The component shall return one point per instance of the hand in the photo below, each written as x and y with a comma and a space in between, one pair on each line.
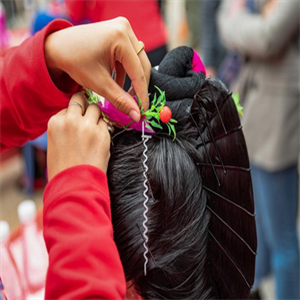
77, 136
90, 53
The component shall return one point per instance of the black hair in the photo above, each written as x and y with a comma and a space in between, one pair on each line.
180, 177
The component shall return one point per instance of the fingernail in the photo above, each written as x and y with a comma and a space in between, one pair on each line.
135, 116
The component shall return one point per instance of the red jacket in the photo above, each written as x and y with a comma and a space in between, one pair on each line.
83, 259
143, 15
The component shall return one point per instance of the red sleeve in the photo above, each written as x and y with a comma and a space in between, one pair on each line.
77, 10
84, 262
28, 95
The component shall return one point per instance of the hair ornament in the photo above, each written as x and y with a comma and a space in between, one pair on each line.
145, 139
159, 112
152, 118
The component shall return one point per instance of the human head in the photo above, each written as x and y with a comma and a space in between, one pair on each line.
186, 181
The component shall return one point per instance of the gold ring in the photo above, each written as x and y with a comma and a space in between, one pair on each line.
78, 104
141, 49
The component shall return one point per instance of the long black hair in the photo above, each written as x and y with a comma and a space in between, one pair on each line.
185, 178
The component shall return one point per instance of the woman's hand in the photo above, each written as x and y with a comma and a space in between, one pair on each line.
77, 135
90, 53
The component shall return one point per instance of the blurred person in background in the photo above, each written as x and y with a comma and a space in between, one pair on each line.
212, 50
268, 85
194, 19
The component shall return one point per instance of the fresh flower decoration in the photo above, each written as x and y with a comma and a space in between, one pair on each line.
152, 118
239, 107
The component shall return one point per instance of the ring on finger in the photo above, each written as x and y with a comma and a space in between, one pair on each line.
110, 125
141, 48
78, 104
110, 129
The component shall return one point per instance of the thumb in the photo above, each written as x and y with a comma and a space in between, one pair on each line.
119, 98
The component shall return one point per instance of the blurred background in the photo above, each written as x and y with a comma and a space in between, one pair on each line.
241, 42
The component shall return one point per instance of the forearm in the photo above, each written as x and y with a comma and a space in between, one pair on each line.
29, 96
83, 259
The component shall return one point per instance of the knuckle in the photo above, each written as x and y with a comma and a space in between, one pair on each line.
124, 22
148, 67
95, 107
53, 123
121, 28
142, 77
88, 127
120, 102
70, 121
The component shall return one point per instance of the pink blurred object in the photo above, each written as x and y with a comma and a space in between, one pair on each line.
10, 276
120, 118
29, 250
8, 271
197, 64
35, 256
57, 8
4, 40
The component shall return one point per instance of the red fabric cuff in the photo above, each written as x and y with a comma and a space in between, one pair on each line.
37, 63
82, 178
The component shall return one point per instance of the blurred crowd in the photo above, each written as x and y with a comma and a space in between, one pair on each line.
253, 47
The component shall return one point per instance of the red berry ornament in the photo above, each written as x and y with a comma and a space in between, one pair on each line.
165, 114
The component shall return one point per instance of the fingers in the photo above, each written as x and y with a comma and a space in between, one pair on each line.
104, 128
146, 65
120, 74
62, 112
93, 113
132, 64
118, 97
77, 104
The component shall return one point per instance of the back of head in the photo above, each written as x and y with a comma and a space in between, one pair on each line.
184, 177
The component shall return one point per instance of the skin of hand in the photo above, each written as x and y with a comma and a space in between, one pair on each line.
77, 136
90, 53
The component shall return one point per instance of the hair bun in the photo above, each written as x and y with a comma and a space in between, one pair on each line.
225, 172
175, 75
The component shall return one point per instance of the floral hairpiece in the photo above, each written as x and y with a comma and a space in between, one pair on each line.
158, 112
152, 118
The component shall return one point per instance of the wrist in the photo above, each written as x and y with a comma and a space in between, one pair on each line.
51, 52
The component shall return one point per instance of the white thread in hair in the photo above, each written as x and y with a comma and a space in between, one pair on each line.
145, 139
